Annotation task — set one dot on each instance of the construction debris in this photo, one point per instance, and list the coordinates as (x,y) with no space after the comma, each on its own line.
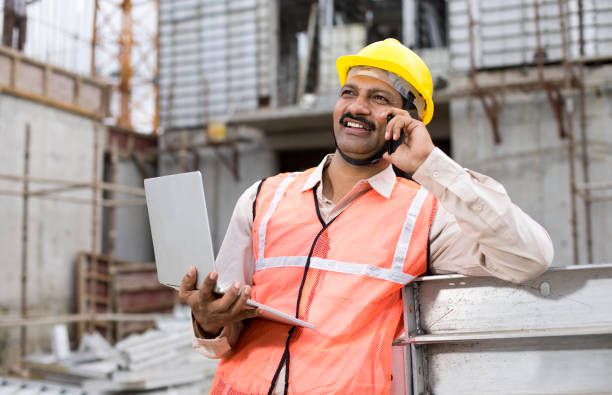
(14,386)
(158,359)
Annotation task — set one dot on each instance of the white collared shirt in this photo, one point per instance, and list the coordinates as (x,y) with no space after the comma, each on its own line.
(477,230)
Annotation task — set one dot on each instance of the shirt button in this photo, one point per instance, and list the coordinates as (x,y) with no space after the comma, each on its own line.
(436,173)
(478,207)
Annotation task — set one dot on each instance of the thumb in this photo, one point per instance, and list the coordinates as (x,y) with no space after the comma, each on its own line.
(388,158)
(188,283)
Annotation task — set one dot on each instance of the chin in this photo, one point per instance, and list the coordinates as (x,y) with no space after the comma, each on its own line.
(359,146)
(359,152)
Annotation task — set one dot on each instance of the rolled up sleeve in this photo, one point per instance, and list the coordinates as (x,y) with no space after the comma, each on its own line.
(220,346)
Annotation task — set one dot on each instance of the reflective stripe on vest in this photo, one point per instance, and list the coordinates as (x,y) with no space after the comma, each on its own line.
(404,240)
(350,289)
(336,266)
(275,200)
(395,274)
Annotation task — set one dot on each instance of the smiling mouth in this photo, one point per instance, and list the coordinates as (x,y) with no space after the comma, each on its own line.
(356,125)
(352,124)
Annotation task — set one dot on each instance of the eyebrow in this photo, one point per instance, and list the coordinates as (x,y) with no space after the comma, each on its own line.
(374,90)
(370,91)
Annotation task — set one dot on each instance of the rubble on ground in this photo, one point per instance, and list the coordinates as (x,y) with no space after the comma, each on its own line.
(158,359)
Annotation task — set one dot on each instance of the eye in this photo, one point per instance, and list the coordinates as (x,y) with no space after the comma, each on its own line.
(347,92)
(380,99)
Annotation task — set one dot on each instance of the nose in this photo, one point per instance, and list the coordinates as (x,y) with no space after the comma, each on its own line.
(359,106)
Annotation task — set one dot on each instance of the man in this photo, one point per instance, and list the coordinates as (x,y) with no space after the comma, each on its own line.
(334,245)
(15,16)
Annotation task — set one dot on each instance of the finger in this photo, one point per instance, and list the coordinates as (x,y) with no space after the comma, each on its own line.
(208,286)
(250,313)
(241,301)
(413,125)
(397,128)
(389,126)
(389,129)
(228,299)
(188,283)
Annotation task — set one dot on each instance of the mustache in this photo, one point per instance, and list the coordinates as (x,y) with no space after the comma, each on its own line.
(369,124)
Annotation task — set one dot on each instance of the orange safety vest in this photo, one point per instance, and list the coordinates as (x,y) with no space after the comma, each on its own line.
(345,277)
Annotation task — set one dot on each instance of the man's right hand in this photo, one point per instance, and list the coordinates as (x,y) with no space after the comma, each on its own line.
(212,312)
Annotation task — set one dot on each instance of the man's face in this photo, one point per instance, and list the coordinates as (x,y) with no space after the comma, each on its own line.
(360,114)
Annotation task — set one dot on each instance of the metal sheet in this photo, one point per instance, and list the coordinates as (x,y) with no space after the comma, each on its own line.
(551,335)
(540,366)
(558,299)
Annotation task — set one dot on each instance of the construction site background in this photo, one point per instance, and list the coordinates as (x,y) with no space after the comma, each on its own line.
(109,92)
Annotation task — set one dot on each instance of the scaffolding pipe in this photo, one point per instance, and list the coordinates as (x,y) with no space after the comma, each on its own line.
(552,93)
(79,200)
(24,239)
(584,143)
(571,146)
(489,101)
(86,184)
(12,322)
(593,186)
(156,115)
(94,40)
(95,213)
(112,215)
(126,42)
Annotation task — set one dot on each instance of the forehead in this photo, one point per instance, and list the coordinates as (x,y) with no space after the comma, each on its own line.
(370,81)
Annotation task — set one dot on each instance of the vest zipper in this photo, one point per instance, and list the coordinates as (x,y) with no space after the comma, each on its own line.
(286,354)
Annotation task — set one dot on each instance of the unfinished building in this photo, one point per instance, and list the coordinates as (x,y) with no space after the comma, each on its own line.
(71,190)
(247,87)
(521,92)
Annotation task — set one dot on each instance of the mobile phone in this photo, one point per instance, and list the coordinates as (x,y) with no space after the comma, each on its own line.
(392,145)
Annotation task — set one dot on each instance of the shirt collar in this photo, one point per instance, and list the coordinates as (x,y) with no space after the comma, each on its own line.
(382,182)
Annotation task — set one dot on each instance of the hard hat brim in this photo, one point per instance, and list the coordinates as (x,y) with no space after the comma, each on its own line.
(344,63)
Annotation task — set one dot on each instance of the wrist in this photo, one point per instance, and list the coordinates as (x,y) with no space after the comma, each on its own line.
(205,331)
(412,162)
(214,331)
(419,161)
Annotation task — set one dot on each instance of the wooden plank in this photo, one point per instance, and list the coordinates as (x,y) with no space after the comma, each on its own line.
(40,82)
(5,70)
(30,78)
(61,87)
(91,97)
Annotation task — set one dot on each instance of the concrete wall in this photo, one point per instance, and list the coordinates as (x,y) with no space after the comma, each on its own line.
(61,147)
(599,116)
(532,161)
(133,242)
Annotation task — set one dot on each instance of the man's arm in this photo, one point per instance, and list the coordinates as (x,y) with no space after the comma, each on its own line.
(234,262)
(478,230)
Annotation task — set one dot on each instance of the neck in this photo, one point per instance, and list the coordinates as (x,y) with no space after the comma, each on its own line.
(340,176)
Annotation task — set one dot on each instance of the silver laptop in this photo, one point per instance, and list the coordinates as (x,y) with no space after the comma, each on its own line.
(181,234)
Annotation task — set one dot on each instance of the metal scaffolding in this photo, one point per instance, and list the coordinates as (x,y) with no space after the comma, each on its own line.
(129,55)
(561,91)
(52,189)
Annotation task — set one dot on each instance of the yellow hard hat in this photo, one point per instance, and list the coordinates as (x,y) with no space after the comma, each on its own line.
(393,56)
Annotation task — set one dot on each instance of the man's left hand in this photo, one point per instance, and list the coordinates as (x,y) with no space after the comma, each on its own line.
(417,145)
